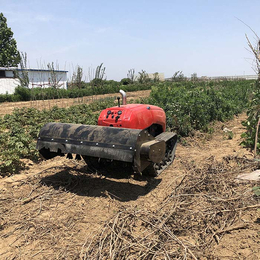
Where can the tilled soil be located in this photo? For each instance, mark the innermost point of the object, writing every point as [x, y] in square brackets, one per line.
[58, 209]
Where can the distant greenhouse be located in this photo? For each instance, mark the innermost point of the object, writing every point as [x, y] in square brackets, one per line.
[37, 78]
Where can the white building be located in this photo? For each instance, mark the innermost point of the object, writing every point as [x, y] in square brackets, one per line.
[37, 78]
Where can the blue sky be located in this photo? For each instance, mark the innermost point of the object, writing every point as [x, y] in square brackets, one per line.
[202, 37]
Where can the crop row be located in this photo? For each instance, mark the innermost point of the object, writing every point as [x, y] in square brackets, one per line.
[19, 131]
[188, 107]
[26, 94]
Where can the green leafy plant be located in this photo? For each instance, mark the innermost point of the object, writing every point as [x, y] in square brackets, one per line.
[253, 116]
[192, 106]
[256, 190]
[19, 131]
[125, 81]
[189, 106]
[22, 93]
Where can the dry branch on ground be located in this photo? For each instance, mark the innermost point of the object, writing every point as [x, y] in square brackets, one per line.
[196, 214]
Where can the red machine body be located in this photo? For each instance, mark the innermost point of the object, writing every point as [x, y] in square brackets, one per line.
[134, 116]
[130, 135]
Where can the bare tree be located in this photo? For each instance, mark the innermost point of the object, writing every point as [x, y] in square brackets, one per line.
[54, 77]
[77, 77]
[131, 75]
[194, 76]
[96, 77]
[143, 77]
[22, 75]
[178, 76]
[255, 50]
[100, 72]
[156, 77]
[99, 76]
[91, 73]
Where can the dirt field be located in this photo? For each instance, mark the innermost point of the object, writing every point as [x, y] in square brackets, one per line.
[58, 209]
[8, 107]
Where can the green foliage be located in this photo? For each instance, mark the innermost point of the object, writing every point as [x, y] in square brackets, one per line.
[109, 86]
[228, 135]
[97, 82]
[22, 93]
[192, 106]
[189, 106]
[9, 55]
[9, 98]
[18, 131]
[256, 190]
[253, 115]
[125, 81]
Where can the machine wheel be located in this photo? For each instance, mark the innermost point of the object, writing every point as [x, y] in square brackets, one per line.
[151, 170]
[155, 169]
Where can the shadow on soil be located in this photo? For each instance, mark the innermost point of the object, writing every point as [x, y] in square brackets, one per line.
[117, 186]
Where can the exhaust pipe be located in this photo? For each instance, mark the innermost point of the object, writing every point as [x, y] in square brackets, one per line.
[122, 92]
